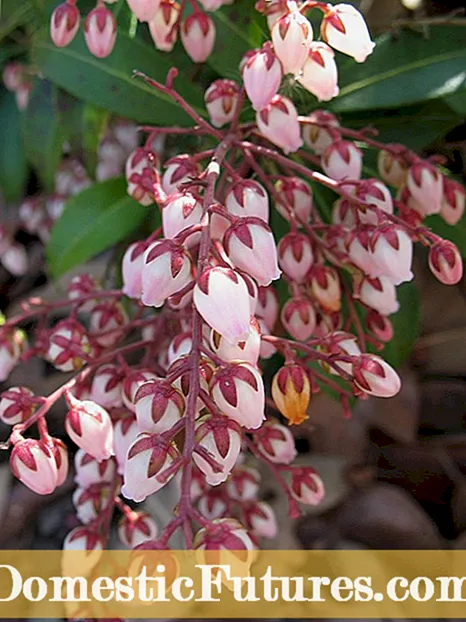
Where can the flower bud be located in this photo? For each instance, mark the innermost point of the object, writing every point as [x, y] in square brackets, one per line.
[221, 438]
[243, 485]
[392, 165]
[106, 322]
[84, 539]
[299, 318]
[33, 463]
[273, 10]
[307, 486]
[64, 24]
[83, 285]
[342, 160]
[131, 384]
[16, 405]
[291, 392]
[60, 453]
[15, 260]
[392, 252]
[344, 28]
[91, 501]
[180, 212]
[375, 193]
[276, 442]
[250, 245]
[379, 294]
[445, 262]
[278, 122]
[238, 391]
[14, 75]
[140, 174]
[125, 431]
[90, 427]
[337, 344]
[144, 10]
[267, 306]
[291, 37]
[135, 528]
[106, 386]
[163, 26]
[295, 256]
[247, 197]
[453, 201]
[247, 351]
[379, 325]
[213, 504]
[325, 287]
[295, 198]
[167, 268]
[320, 74]
[374, 376]
[179, 346]
[158, 406]
[100, 31]
[260, 519]
[69, 345]
[198, 36]
[320, 133]
[221, 99]
[133, 261]
[147, 467]
[221, 297]
[262, 74]
[178, 170]
[225, 534]
[426, 187]
[89, 471]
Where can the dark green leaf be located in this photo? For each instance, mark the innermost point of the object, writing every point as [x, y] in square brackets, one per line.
[94, 124]
[107, 83]
[14, 14]
[239, 28]
[43, 133]
[405, 70]
[13, 163]
[92, 221]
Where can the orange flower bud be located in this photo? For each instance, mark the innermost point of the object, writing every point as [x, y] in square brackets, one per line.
[291, 391]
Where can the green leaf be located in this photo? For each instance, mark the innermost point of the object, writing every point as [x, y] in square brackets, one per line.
[238, 28]
[405, 70]
[406, 324]
[43, 133]
[107, 83]
[13, 162]
[14, 14]
[92, 221]
[94, 125]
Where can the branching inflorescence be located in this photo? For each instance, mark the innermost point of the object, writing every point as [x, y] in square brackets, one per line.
[193, 407]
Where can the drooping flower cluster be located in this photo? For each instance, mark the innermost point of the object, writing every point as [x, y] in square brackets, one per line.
[195, 408]
[165, 18]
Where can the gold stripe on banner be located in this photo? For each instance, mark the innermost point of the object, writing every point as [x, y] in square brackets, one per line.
[263, 584]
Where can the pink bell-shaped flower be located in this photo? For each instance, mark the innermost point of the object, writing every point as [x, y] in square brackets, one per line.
[17, 404]
[135, 528]
[178, 170]
[221, 438]
[295, 256]
[260, 519]
[33, 463]
[425, 184]
[179, 212]
[198, 36]
[133, 380]
[106, 386]
[90, 427]
[60, 453]
[392, 252]
[244, 484]
[267, 306]
[150, 464]
[379, 294]
[144, 10]
[163, 26]
[342, 160]
[167, 268]
[379, 325]
[320, 74]
[158, 406]
[291, 37]
[374, 376]
[262, 74]
[247, 351]
[125, 431]
[344, 28]
[221, 99]
[133, 261]
[278, 122]
[392, 165]
[89, 471]
[246, 197]
[307, 486]
[140, 171]
[325, 287]
[320, 133]
[299, 318]
[445, 262]
[12, 345]
[100, 31]
[453, 201]
[295, 198]
[238, 391]
[222, 299]
[68, 345]
[250, 245]
[64, 24]
[276, 442]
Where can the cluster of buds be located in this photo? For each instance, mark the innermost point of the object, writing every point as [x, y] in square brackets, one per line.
[17, 79]
[164, 18]
[203, 310]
